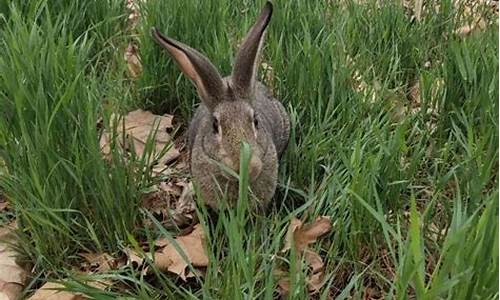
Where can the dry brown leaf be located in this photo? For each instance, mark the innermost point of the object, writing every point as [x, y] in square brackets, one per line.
[4, 205]
[99, 262]
[161, 243]
[192, 245]
[469, 28]
[317, 274]
[138, 126]
[315, 282]
[294, 225]
[283, 281]
[12, 276]
[10, 290]
[54, 291]
[313, 260]
[141, 118]
[475, 15]
[284, 285]
[133, 258]
[136, 260]
[303, 235]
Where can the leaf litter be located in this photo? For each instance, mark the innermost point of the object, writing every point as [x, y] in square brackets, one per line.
[170, 200]
[99, 262]
[12, 275]
[300, 236]
[169, 258]
[173, 257]
[54, 291]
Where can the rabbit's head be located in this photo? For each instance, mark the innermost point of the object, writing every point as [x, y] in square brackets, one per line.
[229, 100]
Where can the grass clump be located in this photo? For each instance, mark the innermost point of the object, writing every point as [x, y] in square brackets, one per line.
[67, 199]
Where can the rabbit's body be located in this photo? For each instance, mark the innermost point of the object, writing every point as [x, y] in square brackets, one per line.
[234, 109]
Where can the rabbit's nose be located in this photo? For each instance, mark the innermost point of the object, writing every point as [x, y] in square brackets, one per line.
[254, 167]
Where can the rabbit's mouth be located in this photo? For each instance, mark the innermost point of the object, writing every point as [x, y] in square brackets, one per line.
[229, 170]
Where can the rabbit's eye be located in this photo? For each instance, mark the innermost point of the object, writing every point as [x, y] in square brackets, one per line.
[255, 121]
[215, 126]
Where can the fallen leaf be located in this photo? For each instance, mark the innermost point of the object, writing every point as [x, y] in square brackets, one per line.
[284, 285]
[303, 235]
[138, 126]
[186, 202]
[10, 290]
[283, 280]
[133, 258]
[475, 15]
[315, 282]
[317, 274]
[12, 276]
[54, 291]
[171, 260]
[4, 205]
[313, 260]
[161, 243]
[145, 121]
[136, 260]
[294, 225]
[98, 262]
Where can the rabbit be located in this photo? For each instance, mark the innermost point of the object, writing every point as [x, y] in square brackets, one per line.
[233, 109]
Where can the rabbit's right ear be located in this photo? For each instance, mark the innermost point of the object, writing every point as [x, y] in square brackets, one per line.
[197, 67]
[246, 62]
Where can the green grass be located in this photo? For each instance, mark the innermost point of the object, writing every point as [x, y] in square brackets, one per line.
[412, 192]
[66, 197]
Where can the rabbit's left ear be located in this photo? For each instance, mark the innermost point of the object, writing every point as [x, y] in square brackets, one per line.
[246, 64]
[196, 66]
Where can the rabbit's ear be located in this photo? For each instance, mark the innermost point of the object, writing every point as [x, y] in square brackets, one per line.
[196, 66]
[246, 63]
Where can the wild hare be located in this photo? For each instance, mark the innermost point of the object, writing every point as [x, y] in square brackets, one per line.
[234, 109]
